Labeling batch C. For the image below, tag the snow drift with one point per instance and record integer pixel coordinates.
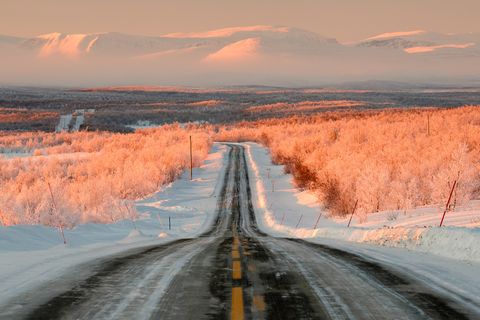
(282, 211)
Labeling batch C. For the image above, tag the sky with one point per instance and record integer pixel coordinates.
(346, 20)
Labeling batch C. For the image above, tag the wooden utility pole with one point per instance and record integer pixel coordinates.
(428, 124)
(448, 202)
(191, 160)
(353, 212)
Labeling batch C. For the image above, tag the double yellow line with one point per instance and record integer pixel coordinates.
(237, 312)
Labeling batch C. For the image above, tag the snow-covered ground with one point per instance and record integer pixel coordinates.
(143, 124)
(285, 211)
(7, 154)
(31, 255)
(30, 157)
(446, 259)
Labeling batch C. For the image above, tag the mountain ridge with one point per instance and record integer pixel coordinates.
(240, 55)
(281, 38)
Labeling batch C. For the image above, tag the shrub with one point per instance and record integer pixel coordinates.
(93, 176)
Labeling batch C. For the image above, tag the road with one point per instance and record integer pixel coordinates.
(235, 271)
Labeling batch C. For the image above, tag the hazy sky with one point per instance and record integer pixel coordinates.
(345, 20)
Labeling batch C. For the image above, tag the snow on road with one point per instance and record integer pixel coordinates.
(32, 255)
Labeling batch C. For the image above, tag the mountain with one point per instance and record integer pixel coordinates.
(232, 42)
(420, 41)
(77, 45)
(240, 55)
(270, 39)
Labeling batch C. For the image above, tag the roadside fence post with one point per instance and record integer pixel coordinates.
(448, 202)
(353, 212)
(298, 223)
(318, 220)
(191, 160)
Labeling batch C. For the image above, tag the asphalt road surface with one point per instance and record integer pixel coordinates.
(234, 271)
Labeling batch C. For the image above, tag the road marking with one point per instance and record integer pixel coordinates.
(237, 270)
(259, 302)
(235, 254)
(237, 303)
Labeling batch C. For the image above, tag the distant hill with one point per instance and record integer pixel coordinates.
(267, 55)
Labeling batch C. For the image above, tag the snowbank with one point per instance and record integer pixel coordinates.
(452, 242)
(30, 255)
(286, 212)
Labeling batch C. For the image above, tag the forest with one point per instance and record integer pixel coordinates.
(386, 160)
(392, 159)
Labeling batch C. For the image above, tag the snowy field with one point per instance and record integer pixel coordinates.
(285, 211)
(446, 259)
(31, 255)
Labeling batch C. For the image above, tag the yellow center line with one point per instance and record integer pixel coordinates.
(235, 254)
(237, 303)
(237, 270)
(237, 312)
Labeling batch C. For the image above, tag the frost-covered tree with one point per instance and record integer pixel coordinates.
(93, 176)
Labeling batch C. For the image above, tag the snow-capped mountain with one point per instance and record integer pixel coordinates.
(76, 45)
(420, 41)
(236, 42)
(269, 39)
(261, 54)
